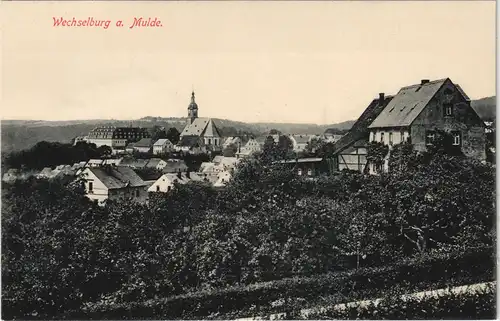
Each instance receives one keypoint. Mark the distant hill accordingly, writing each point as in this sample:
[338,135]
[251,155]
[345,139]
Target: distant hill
[22,134]
[486,108]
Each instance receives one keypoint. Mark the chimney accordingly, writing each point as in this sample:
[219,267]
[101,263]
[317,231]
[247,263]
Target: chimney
[424,81]
[381,98]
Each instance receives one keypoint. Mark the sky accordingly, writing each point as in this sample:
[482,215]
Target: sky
[293,62]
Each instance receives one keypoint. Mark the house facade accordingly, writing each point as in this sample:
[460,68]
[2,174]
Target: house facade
[311,167]
[116,137]
[413,115]
[350,150]
[113,183]
[417,111]
[162,146]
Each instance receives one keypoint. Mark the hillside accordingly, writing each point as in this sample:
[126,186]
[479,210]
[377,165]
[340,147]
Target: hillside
[485,107]
[22,134]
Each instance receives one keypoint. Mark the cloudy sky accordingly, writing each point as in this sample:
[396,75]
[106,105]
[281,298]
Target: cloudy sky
[315,62]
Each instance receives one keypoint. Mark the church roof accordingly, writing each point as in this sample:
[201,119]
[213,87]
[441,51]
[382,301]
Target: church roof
[201,127]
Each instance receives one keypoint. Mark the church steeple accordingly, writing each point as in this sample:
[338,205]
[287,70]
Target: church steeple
[192,109]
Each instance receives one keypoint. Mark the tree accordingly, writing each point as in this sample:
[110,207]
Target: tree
[230,150]
[173,135]
[157,132]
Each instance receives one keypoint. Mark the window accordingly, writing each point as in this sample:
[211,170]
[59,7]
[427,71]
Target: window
[299,171]
[209,141]
[157,188]
[91,187]
[457,139]
[309,172]
[402,136]
[371,137]
[137,193]
[448,109]
[382,137]
[429,137]
[169,188]
[390,138]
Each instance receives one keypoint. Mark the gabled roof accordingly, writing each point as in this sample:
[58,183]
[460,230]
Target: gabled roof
[201,127]
[153,162]
[162,142]
[407,104]
[360,128]
[145,142]
[117,177]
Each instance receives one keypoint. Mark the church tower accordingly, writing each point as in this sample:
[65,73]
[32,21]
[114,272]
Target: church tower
[192,110]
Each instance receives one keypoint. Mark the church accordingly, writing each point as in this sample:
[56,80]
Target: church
[200,133]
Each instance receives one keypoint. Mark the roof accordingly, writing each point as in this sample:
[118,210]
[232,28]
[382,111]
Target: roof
[302,160]
[145,142]
[131,162]
[201,127]
[153,162]
[360,128]
[162,141]
[190,141]
[174,166]
[407,104]
[117,177]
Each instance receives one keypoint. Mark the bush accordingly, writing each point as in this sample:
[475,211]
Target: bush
[348,285]
[458,306]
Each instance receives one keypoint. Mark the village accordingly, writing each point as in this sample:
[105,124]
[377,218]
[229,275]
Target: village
[411,115]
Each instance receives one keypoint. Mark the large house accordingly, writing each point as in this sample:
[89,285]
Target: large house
[116,137]
[162,146]
[200,131]
[413,115]
[114,183]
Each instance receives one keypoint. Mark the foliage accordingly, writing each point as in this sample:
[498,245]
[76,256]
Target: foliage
[268,235]
[318,147]
[376,153]
[458,306]
[46,154]
[230,150]
[344,286]
[173,135]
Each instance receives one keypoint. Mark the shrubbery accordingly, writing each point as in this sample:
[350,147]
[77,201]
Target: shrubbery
[207,249]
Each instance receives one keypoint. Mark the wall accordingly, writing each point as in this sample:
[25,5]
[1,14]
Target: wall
[353,158]
[129,192]
[464,119]
[398,135]
[100,191]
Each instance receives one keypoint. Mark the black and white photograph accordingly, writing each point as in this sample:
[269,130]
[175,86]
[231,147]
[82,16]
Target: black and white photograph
[248,160]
